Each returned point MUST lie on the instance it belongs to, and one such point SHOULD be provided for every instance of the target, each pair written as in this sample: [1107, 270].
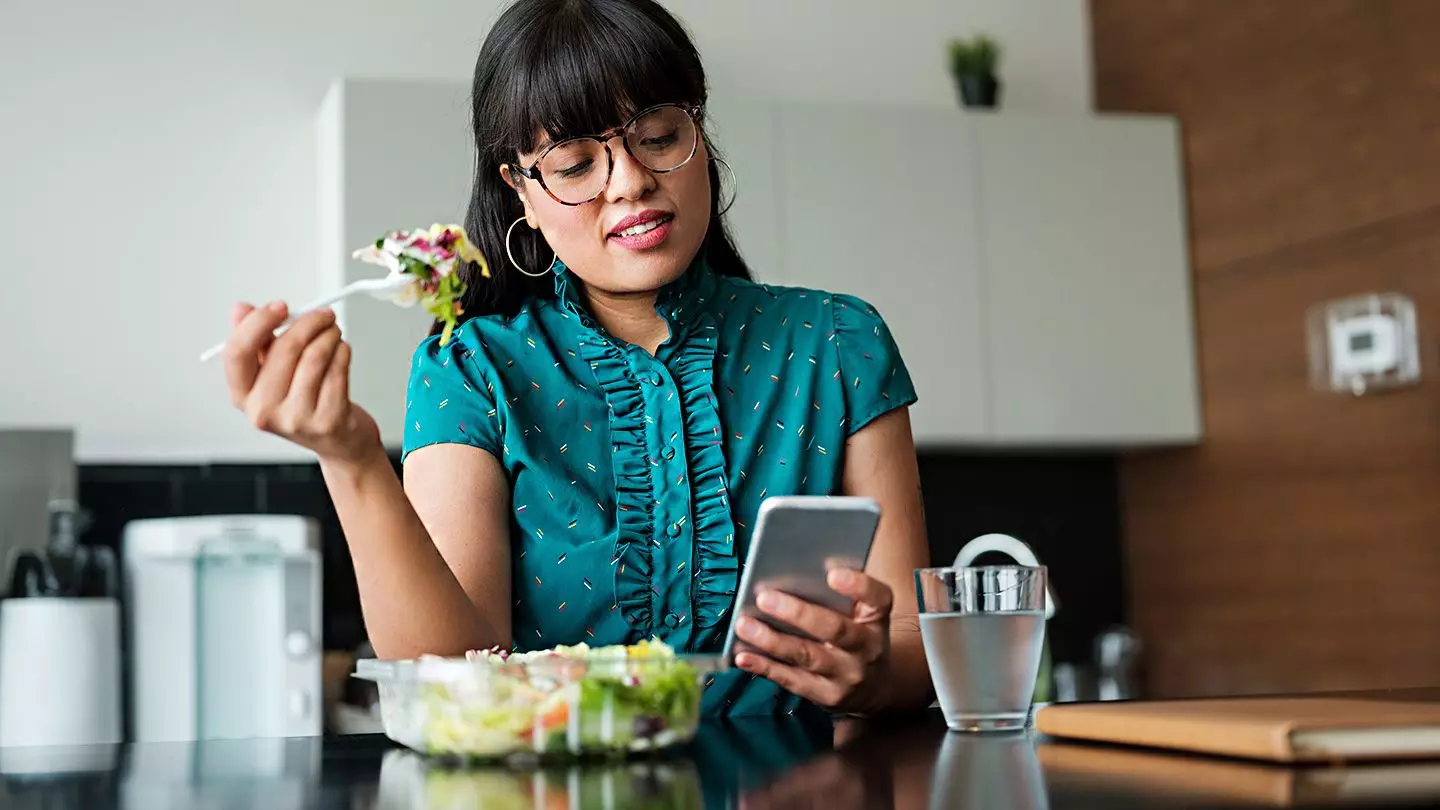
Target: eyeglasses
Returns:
[577, 170]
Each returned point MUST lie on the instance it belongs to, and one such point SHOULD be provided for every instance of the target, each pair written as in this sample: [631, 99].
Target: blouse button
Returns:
[673, 530]
[653, 378]
[671, 620]
[669, 453]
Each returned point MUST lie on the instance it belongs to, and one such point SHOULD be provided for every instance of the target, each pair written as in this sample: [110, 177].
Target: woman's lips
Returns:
[648, 215]
[648, 232]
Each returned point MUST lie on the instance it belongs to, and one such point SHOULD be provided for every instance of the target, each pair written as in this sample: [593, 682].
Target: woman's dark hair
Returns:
[566, 68]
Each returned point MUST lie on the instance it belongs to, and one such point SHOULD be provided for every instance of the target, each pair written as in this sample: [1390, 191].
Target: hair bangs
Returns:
[589, 65]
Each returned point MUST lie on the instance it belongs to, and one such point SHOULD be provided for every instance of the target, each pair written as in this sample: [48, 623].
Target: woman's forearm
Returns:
[411, 602]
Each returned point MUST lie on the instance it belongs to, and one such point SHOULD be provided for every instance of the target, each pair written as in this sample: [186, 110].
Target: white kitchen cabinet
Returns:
[1087, 284]
[877, 206]
[745, 136]
[1033, 269]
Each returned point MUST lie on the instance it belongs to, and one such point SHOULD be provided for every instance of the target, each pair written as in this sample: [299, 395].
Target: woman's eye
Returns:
[659, 141]
[576, 170]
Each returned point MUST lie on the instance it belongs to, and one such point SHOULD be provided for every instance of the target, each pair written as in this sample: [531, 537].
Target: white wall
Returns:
[177, 140]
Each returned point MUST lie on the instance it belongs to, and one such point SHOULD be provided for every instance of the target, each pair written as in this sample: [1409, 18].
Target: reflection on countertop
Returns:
[907, 763]
[410, 780]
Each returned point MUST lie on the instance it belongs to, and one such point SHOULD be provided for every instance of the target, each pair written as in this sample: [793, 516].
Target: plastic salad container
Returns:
[418, 782]
[564, 702]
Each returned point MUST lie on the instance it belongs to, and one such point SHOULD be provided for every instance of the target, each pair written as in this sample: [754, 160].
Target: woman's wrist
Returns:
[907, 678]
[353, 470]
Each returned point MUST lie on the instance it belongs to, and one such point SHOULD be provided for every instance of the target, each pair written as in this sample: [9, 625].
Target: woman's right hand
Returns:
[297, 386]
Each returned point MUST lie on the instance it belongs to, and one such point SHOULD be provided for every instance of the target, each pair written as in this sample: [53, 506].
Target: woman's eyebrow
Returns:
[540, 146]
[546, 140]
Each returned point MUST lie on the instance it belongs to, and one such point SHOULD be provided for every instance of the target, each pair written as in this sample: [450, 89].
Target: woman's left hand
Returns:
[845, 670]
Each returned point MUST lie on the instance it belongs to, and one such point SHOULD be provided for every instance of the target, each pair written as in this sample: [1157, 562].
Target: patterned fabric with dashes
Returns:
[636, 478]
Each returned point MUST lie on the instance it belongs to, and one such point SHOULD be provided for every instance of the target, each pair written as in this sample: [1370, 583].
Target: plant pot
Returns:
[979, 90]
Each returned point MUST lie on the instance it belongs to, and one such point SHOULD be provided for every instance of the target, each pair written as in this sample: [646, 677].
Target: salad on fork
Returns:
[429, 259]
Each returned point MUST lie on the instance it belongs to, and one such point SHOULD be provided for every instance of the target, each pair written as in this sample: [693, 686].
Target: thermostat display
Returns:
[1363, 343]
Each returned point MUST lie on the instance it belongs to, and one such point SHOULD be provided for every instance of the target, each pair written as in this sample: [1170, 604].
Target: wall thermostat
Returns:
[1363, 344]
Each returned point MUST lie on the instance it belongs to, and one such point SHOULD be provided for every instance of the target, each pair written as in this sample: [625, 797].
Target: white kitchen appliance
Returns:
[223, 615]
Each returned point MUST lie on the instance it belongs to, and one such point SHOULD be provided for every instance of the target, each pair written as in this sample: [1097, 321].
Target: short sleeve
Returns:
[876, 380]
[449, 400]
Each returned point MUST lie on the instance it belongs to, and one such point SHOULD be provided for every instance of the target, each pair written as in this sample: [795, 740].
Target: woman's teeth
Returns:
[644, 227]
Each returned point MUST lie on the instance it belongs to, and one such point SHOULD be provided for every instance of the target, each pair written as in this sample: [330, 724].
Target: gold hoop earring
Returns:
[734, 184]
[511, 254]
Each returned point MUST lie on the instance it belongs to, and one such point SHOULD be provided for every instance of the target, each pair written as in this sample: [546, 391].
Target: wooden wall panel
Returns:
[1294, 96]
[1299, 547]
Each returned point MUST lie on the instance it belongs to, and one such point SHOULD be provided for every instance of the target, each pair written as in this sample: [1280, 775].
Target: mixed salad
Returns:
[565, 700]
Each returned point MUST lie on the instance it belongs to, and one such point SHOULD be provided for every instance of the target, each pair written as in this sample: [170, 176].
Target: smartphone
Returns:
[798, 539]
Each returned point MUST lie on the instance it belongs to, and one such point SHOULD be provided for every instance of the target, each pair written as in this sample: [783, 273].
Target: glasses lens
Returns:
[662, 139]
[575, 171]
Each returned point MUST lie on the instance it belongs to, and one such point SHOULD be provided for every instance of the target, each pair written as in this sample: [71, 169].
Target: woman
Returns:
[585, 457]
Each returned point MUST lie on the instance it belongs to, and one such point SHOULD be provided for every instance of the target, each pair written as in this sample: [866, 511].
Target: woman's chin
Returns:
[637, 274]
[647, 283]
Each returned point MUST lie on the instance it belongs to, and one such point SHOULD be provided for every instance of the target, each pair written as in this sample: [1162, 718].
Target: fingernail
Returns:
[276, 306]
[844, 576]
[767, 601]
[328, 312]
[747, 628]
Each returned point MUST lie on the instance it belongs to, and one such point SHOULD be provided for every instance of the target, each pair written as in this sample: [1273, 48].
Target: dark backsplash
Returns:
[1065, 506]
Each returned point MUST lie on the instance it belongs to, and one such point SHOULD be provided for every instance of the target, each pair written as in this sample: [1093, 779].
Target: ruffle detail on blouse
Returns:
[715, 577]
[717, 570]
[633, 561]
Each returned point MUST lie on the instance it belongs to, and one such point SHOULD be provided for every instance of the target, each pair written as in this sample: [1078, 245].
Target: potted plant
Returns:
[973, 63]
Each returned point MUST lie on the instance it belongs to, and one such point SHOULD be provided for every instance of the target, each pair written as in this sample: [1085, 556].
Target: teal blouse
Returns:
[636, 479]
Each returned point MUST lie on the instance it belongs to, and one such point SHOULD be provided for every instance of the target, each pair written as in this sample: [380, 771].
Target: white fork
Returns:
[378, 287]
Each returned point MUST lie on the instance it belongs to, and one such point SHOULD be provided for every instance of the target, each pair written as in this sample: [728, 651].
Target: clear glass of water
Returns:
[984, 632]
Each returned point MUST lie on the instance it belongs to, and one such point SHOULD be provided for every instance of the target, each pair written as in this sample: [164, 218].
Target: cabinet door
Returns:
[877, 202]
[1087, 282]
[744, 134]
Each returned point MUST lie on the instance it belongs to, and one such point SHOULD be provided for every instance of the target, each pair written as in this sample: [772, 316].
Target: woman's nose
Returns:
[631, 179]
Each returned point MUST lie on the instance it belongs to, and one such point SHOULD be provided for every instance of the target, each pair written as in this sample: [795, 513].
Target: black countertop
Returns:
[902, 763]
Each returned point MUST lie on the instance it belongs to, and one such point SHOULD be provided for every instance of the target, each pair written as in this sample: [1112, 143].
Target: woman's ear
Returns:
[509, 177]
[517, 183]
